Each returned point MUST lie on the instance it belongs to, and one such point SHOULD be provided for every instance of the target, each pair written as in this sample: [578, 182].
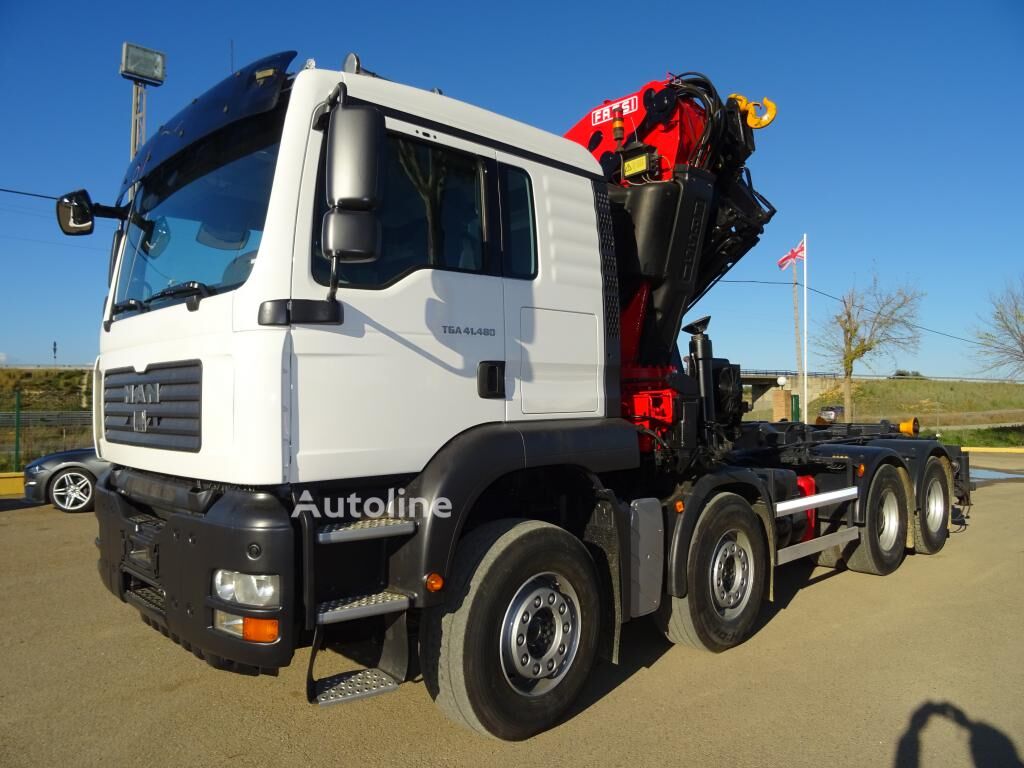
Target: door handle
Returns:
[490, 379]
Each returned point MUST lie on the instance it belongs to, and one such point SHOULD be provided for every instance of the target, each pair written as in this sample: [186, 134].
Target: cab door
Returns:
[554, 342]
[422, 338]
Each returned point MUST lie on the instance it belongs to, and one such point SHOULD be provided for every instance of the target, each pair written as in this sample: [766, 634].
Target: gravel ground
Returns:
[923, 667]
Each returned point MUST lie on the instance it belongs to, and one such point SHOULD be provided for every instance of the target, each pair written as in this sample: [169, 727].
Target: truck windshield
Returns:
[197, 220]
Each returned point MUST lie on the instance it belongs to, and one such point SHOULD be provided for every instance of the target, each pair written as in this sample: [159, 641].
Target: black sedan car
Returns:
[66, 479]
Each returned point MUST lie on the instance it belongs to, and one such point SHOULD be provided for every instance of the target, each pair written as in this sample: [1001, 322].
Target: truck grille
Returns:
[158, 408]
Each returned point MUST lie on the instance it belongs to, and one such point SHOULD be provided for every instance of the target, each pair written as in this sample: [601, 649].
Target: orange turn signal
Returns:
[910, 427]
[680, 507]
[259, 630]
[434, 582]
[861, 469]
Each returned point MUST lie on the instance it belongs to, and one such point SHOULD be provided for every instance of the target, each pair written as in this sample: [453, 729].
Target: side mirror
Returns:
[75, 213]
[352, 237]
[354, 141]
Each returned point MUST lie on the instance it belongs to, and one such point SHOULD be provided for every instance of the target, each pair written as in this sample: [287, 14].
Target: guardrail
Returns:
[757, 372]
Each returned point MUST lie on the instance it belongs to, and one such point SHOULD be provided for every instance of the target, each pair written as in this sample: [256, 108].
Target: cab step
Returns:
[349, 686]
[367, 528]
[360, 607]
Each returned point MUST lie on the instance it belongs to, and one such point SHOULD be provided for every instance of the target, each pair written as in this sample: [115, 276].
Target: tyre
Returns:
[931, 524]
[72, 490]
[726, 571]
[883, 539]
[510, 649]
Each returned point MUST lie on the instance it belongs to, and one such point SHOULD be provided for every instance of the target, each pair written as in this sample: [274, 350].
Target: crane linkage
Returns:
[684, 211]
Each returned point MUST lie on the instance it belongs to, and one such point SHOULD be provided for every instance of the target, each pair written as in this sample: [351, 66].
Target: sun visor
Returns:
[251, 90]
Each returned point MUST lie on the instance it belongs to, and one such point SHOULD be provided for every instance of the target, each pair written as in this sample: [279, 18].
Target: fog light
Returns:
[227, 622]
[260, 590]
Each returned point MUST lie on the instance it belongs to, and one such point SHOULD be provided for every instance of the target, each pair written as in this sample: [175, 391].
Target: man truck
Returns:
[381, 369]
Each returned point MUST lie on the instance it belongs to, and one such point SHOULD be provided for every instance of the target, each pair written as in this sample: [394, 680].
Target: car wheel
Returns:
[72, 490]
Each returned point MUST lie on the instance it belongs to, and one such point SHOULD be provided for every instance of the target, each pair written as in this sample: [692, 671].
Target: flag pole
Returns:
[796, 328]
[807, 403]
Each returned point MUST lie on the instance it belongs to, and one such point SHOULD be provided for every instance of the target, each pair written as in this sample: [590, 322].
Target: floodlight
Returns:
[142, 65]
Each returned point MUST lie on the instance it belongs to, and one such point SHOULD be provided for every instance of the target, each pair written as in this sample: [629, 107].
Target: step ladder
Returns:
[360, 683]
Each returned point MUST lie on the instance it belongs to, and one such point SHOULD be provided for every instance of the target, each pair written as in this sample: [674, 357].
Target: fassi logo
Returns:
[603, 114]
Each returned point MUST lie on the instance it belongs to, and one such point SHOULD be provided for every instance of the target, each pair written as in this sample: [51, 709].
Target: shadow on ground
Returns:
[989, 746]
[643, 643]
[8, 504]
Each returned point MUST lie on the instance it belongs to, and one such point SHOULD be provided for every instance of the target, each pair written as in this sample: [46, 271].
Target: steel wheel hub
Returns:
[888, 520]
[540, 634]
[935, 505]
[731, 573]
[72, 490]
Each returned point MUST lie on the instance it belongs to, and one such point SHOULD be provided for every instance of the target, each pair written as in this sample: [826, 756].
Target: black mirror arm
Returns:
[332, 285]
[119, 212]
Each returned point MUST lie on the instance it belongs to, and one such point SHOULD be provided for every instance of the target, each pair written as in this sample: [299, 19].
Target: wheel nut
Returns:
[561, 608]
[524, 660]
[551, 664]
[526, 617]
[561, 648]
[565, 627]
[536, 602]
[536, 669]
[520, 640]
[551, 599]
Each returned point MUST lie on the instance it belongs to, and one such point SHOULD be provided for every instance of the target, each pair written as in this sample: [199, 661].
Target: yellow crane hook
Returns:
[749, 108]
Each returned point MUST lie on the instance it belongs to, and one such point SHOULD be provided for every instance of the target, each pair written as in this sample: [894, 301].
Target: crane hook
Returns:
[749, 108]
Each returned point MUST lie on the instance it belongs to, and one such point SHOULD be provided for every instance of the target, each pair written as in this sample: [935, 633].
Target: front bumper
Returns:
[35, 487]
[161, 540]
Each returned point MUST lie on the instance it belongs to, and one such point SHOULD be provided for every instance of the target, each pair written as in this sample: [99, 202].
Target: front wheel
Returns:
[71, 490]
[509, 651]
[726, 572]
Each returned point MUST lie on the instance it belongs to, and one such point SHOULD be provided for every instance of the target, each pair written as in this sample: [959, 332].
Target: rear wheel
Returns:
[726, 571]
[931, 525]
[884, 536]
[514, 644]
[71, 490]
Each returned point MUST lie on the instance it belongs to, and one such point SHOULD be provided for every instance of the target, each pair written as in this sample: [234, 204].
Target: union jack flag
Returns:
[796, 254]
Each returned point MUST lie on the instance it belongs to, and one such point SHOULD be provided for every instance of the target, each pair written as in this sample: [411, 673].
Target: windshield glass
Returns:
[199, 217]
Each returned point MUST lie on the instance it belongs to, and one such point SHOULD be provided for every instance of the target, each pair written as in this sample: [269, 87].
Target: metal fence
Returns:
[43, 411]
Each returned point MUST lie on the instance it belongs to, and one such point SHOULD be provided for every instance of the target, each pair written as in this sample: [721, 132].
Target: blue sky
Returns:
[896, 147]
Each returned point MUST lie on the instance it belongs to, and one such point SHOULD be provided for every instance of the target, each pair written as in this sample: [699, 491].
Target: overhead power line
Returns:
[27, 194]
[860, 307]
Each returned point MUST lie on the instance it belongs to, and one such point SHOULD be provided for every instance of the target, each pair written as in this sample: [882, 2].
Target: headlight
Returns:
[34, 469]
[259, 590]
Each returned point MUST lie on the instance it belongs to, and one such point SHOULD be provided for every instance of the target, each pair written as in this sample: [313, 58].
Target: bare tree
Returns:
[1001, 340]
[871, 322]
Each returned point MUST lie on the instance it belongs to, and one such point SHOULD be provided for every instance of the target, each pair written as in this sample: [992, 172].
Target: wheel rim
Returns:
[935, 505]
[730, 574]
[888, 520]
[540, 634]
[72, 491]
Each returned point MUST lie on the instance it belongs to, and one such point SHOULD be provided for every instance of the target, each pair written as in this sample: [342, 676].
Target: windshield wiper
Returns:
[128, 304]
[191, 288]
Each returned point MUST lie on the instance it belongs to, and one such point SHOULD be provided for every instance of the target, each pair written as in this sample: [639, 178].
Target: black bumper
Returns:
[161, 541]
[35, 487]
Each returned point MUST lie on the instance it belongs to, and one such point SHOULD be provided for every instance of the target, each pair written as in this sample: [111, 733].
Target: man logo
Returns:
[142, 394]
[146, 394]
